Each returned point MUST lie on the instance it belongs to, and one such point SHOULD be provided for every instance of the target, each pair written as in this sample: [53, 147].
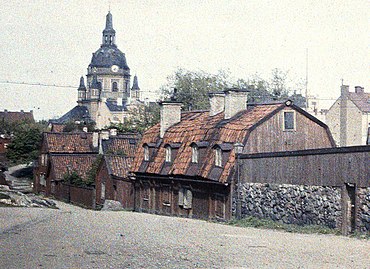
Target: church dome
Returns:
[107, 56]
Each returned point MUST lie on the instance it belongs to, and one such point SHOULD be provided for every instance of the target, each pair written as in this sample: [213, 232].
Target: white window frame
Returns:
[218, 157]
[146, 153]
[294, 121]
[194, 154]
[168, 154]
[185, 198]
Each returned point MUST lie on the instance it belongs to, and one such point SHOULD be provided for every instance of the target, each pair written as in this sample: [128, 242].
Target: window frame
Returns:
[218, 157]
[293, 119]
[194, 154]
[146, 153]
[168, 157]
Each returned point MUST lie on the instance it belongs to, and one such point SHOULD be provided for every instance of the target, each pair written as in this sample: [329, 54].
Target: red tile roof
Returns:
[196, 127]
[122, 144]
[69, 142]
[80, 163]
[361, 100]
[118, 166]
[14, 117]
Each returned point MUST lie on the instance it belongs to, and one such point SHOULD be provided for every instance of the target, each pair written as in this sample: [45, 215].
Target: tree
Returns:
[193, 87]
[140, 118]
[25, 144]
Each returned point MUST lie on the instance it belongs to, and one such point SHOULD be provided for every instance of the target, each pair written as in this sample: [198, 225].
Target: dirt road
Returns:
[72, 237]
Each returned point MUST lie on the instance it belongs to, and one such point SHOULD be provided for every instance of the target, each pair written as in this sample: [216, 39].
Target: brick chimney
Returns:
[235, 101]
[170, 115]
[217, 102]
[359, 89]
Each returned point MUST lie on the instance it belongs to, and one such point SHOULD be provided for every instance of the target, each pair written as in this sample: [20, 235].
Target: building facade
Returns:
[106, 94]
[349, 117]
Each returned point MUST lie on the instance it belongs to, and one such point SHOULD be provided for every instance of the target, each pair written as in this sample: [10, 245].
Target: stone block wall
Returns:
[363, 212]
[293, 204]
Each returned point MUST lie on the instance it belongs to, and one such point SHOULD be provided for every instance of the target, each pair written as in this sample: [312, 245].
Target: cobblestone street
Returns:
[72, 237]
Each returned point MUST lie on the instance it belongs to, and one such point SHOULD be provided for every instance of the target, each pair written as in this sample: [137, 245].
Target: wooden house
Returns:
[113, 180]
[60, 144]
[185, 165]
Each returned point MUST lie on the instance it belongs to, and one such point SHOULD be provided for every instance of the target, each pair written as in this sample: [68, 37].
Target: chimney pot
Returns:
[359, 89]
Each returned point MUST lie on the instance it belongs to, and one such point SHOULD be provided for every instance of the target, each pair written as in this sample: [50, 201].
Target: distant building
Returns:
[349, 117]
[107, 93]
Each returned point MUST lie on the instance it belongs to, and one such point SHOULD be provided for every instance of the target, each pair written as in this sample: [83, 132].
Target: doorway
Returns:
[349, 208]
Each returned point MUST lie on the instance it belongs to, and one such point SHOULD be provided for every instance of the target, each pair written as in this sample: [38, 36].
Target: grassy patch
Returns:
[292, 228]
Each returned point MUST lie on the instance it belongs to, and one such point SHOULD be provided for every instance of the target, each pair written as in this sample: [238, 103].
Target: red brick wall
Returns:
[83, 196]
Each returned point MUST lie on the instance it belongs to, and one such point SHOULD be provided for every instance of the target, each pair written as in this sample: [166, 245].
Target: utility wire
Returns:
[37, 84]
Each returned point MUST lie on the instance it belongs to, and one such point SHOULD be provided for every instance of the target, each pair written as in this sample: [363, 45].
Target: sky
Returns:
[51, 42]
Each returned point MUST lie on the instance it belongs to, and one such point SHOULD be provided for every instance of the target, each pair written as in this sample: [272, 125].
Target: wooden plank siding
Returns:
[270, 135]
[318, 167]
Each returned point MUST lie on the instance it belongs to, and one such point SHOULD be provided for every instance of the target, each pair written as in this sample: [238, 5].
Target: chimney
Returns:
[344, 90]
[104, 134]
[95, 139]
[113, 132]
[170, 115]
[235, 101]
[359, 89]
[217, 102]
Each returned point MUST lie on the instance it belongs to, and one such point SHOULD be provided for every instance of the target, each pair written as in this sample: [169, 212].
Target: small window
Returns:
[146, 153]
[195, 154]
[185, 198]
[42, 180]
[168, 154]
[289, 121]
[218, 157]
[114, 86]
[44, 159]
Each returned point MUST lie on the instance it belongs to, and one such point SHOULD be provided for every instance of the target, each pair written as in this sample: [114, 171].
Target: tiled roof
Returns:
[79, 163]
[199, 127]
[69, 142]
[118, 166]
[122, 144]
[361, 100]
[12, 117]
[57, 127]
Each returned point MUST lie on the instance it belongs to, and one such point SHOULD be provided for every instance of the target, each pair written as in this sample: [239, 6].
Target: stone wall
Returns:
[363, 213]
[294, 204]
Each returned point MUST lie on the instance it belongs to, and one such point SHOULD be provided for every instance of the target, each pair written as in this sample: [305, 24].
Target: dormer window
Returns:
[168, 154]
[146, 153]
[218, 157]
[289, 120]
[195, 154]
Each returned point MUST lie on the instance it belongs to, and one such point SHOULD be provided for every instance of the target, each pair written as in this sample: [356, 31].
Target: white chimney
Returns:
[235, 101]
[113, 132]
[95, 139]
[170, 115]
[217, 102]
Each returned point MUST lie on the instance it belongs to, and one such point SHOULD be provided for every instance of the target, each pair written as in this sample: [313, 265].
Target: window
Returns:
[289, 121]
[44, 159]
[195, 153]
[42, 180]
[114, 86]
[146, 153]
[185, 198]
[168, 154]
[218, 157]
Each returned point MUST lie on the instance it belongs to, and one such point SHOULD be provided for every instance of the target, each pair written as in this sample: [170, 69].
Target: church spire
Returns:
[109, 34]
[82, 84]
[135, 84]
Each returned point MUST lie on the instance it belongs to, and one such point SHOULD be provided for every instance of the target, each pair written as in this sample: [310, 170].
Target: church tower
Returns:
[135, 90]
[109, 65]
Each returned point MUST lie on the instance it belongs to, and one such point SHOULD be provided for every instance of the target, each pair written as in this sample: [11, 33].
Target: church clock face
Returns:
[114, 68]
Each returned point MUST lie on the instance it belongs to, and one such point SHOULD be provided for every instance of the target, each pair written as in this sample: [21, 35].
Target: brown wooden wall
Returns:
[270, 136]
[161, 196]
[320, 167]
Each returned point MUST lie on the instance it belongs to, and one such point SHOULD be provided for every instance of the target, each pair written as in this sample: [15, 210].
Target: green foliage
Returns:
[270, 224]
[140, 118]
[26, 140]
[193, 87]
[91, 174]
[74, 179]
